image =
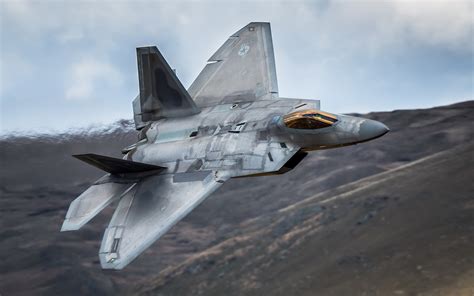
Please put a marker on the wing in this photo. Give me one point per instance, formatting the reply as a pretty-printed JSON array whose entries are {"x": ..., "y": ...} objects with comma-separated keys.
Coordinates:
[
  {"x": 243, "y": 69},
  {"x": 149, "y": 210}
]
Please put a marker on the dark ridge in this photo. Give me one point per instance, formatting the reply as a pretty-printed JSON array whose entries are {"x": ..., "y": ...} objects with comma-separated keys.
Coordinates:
[{"x": 39, "y": 179}]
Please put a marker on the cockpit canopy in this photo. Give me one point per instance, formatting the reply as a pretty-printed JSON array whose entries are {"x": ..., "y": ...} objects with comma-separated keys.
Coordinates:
[{"x": 309, "y": 119}]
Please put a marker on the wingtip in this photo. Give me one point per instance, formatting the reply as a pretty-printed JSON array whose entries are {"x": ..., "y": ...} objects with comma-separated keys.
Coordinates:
[
  {"x": 110, "y": 263},
  {"x": 68, "y": 226}
]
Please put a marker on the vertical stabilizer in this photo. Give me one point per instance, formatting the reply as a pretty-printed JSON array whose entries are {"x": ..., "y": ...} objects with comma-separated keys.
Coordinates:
[{"x": 161, "y": 92}]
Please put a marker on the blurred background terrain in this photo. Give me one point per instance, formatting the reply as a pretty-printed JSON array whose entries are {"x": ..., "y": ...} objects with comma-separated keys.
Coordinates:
[{"x": 394, "y": 216}]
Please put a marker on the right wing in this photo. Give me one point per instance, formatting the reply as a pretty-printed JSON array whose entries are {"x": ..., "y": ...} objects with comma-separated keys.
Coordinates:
[
  {"x": 150, "y": 209},
  {"x": 243, "y": 69}
]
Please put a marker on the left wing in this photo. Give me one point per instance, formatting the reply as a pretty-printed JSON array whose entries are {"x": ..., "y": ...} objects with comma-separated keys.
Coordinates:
[{"x": 150, "y": 209}]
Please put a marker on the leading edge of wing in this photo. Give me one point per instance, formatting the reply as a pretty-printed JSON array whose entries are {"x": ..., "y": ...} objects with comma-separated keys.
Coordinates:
[{"x": 149, "y": 210}]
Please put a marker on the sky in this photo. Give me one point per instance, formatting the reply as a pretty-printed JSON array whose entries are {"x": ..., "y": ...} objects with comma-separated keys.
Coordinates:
[{"x": 72, "y": 64}]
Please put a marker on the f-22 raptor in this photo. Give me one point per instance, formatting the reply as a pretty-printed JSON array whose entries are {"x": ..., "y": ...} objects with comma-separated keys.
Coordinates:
[{"x": 230, "y": 123}]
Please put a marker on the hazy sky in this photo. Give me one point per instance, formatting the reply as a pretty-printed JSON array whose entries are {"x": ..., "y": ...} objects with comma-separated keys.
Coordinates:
[{"x": 72, "y": 65}]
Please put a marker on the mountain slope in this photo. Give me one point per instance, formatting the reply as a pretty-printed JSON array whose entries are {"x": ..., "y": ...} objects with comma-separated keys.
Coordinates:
[
  {"x": 39, "y": 179},
  {"x": 407, "y": 231}
]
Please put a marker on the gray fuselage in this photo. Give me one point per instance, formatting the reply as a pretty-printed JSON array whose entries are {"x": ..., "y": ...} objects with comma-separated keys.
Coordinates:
[{"x": 244, "y": 138}]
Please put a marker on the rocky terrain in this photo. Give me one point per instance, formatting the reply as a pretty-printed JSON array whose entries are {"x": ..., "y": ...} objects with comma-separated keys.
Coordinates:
[
  {"x": 401, "y": 232},
  {"x": 394, "y": 216}
]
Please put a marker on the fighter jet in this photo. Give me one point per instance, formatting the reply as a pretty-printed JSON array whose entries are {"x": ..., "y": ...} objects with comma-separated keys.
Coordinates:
[{"x": 230, "y": 123}]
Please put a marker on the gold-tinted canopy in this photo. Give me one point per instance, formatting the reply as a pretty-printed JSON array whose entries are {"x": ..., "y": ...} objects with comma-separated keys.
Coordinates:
[{"x": 309, "y": 119}]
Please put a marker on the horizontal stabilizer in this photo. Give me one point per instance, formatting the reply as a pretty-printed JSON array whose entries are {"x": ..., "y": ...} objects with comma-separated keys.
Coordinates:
[
  {"x": 116, "y": 165},
  {"x": 91, "y": 202}
]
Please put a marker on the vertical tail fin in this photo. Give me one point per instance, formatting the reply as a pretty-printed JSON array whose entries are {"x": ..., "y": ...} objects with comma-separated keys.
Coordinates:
[{"x": 161, "y": 92}]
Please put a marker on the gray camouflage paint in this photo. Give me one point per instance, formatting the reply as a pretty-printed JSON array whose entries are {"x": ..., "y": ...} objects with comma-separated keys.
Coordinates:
[{"x": 232, "y": 127}]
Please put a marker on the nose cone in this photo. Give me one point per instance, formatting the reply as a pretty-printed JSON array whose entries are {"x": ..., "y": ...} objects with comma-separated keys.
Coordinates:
[{"x": 371, "y": 129}]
